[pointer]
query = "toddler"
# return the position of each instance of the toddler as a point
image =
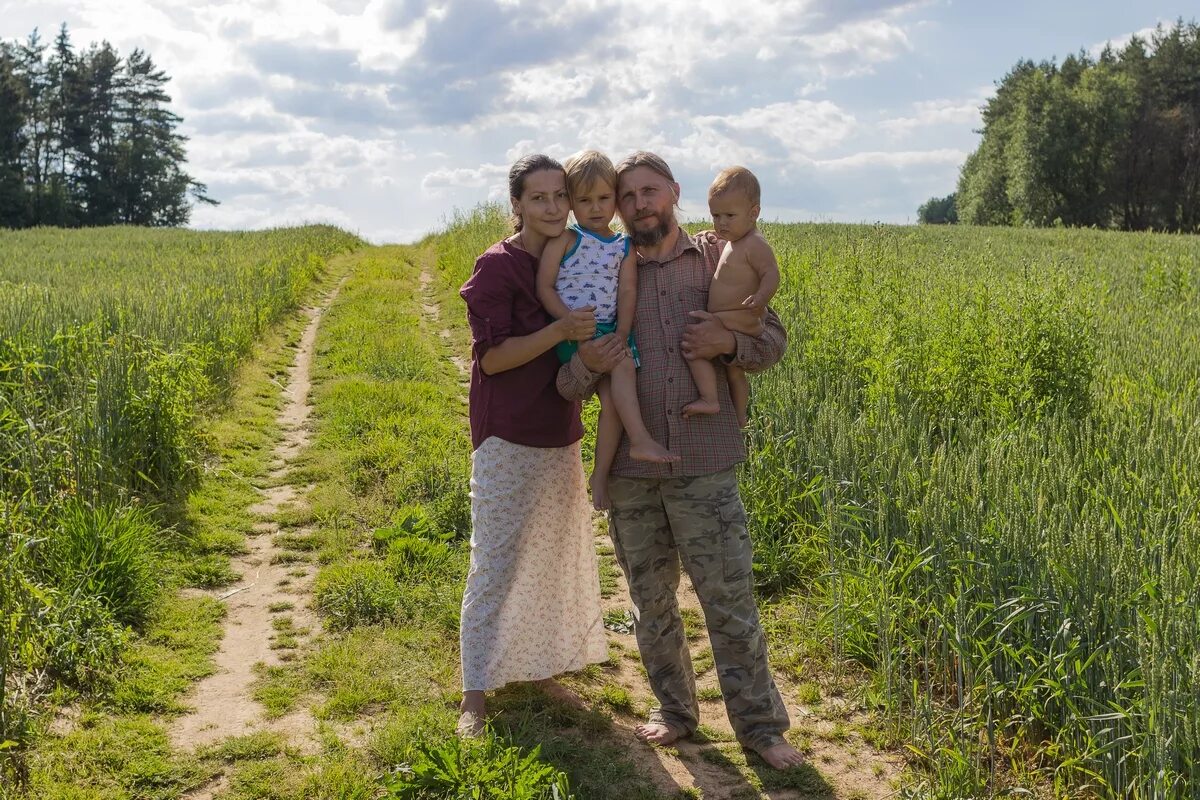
(591, 267)
(747, 277)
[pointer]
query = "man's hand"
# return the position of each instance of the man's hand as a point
(602, 353)
(707, 338)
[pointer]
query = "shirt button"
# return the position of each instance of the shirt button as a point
(670, 380)
(663, 293)
(670, 349)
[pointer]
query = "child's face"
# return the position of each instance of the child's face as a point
(595, 205)
(733, 215)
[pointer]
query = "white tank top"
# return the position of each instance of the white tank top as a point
(587, 275)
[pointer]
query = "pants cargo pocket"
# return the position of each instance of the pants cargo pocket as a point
(739, 556)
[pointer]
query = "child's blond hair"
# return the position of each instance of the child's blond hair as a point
(586, 168)
(734, 179)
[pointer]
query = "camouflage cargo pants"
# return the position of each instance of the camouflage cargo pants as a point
(657, 523)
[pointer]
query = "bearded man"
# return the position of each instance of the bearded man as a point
(690, 511)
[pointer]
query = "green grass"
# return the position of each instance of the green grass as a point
(135, 698)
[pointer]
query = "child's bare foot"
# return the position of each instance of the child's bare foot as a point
(743, 420)
(650, 450)
(600, 500)
(701, 406)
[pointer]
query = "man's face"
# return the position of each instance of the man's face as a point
(646, 200)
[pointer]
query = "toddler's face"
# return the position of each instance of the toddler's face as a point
(595, 205)
(733, 215)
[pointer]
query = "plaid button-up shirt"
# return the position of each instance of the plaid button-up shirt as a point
(667, 291)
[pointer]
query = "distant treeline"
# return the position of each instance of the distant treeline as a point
(1110, 142)
(88, 138)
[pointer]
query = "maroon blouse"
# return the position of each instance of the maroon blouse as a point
(521, 405)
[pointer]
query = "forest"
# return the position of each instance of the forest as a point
(88, 138)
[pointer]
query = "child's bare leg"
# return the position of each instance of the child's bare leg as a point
(642, 446)
(739, 392)
(704, 373)
(608, 438)
(742, 321)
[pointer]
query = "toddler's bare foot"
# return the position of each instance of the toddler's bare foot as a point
(600, 500)
(782, 756)
(701, 406)
(650, 450)
(743, 420)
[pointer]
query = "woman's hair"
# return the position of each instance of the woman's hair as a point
(736, 179)
(586, 168)
(521, 169)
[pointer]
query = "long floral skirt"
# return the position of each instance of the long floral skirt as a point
(531, 609)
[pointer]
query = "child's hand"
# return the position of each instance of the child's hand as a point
(580, 324)
(753, 301)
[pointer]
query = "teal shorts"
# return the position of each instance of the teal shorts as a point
(567, 349)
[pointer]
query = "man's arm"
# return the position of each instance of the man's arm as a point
(578, 377)
(709, 338)
(756, 353)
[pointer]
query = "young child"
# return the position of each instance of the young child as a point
(590, 266)
(747, 277)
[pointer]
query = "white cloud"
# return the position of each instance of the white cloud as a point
(894, 160)
(385, 114)
(938, 112)
(1118, 43)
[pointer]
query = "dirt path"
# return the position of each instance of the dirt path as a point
(268, 611)
(846, 766)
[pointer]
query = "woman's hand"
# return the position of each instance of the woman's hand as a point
(579, 325)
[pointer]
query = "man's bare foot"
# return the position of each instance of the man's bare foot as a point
(658, 733)
(782, 756)
(554, 689)
(470, 725)
(600, 500)
(652, 451)
(700, 407)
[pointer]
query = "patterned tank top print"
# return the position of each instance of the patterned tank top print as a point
(588, 273)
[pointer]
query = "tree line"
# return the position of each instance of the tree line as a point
(1109, 142)
(88, 138)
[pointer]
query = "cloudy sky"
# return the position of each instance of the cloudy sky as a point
(383, 116)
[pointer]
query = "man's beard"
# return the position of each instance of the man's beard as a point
(651, 237)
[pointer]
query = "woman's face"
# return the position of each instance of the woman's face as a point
(543, 203)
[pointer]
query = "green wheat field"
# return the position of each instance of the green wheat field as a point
(974, 492)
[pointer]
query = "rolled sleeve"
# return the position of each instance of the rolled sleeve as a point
(756, 353)
(489, 298)
(576, 382)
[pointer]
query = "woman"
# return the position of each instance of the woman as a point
(531, 609)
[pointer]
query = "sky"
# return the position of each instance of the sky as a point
(385, 116)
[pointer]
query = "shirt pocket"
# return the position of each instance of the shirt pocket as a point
(694, 298)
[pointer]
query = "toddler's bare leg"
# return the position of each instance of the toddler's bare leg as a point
(741, 320)
(608, 438)
(704, 373)
(642, 446)
(739, 392)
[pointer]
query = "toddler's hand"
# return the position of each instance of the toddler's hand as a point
(753, 301)
(580, 324)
